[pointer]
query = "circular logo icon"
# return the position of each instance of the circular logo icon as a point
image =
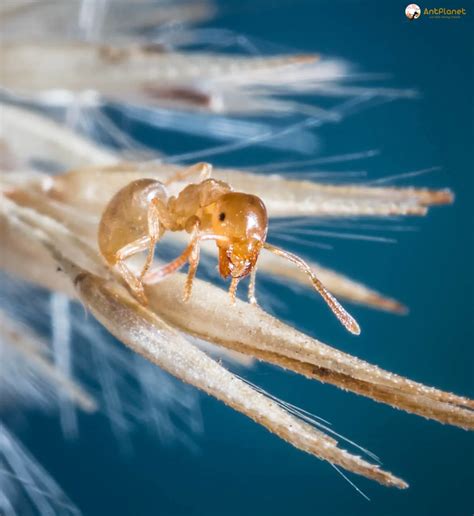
(412, 11)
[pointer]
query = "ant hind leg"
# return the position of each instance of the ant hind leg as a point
(202, 170)
(130, 278)
(135, 285)
(154, 233)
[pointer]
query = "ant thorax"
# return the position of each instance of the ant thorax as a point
(196, 200)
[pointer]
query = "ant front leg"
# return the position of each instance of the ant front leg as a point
(234, 282)
(193, 265)
(251, 293)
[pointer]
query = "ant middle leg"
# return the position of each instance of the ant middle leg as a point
(190, 254)
(233, 289)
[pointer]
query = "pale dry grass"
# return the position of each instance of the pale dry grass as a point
(154, 75)
(48, 227)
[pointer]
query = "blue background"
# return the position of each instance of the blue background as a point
(239, 467)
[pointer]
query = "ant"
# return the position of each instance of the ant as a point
(140, 213)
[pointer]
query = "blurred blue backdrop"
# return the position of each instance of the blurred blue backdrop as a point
(239, 468)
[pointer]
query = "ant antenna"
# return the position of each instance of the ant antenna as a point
(344, 317)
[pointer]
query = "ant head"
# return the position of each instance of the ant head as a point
(242, 219)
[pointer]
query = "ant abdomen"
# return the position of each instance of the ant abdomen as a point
(125, 219)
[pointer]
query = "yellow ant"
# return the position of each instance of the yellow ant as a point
(140, 213)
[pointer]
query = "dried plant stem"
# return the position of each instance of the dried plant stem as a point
(150, 74)
(208, 315)
(145, 333)
(48, 221)
(440, 411)
(292, 198)
(248, 328)
(283, 197)
(155, 340)
(33, 68)
(29, 134)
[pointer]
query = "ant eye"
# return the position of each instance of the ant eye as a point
(222, 216)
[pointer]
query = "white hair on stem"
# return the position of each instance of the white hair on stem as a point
(96, 20)
(25, 485)
(61, 346)
(29, 374)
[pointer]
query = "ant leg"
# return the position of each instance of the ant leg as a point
(193, 265)
(135, 285)
(251, 293)
(204, 170)
(155, 275)
(132, 281)
(233, 289)
(154, 235)
(344, 317)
